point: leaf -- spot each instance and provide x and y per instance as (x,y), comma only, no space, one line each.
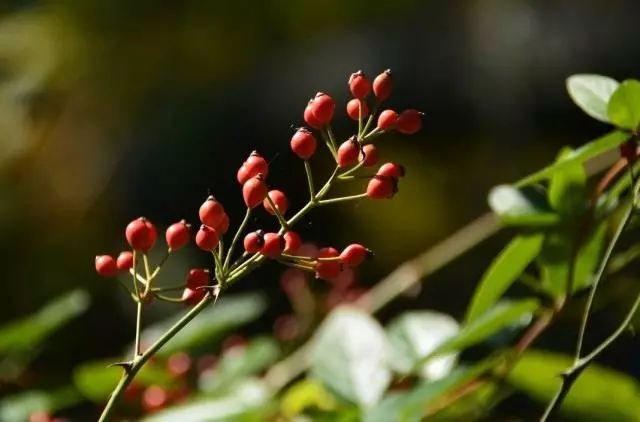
(230,313)
(240,362)
(566,190)
(27,333)
(349,356)
(592,93)
(600,394)
(303,395)
(20,406)
(414,335)
(516,207)
(624,106)
(502,272)
(95,380)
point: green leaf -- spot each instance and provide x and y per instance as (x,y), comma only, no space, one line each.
(567,188)
(230,313)
(600,394)
(95,380)
(516,207)
(19,406)
(413,335)
(592,93)
(27,333)
(303,395)
(240,362)
(624,106)
(504,270)
(349,356)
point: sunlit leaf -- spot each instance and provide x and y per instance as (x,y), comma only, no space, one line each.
(624,106)
(19,406)
(592,93)
(303,395)
(518,207)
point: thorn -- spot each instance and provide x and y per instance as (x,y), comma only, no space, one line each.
(124,365)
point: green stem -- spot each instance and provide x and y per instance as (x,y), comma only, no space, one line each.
(168,288)
(235,239)
(374,110)
(160,264)
(327,142)
(342,199)
(307,169)
(276,210)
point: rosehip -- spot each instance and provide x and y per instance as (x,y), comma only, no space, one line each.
(387,120)
(359,84)
(303,143)
(323,107)
(273,245)
(254,191)
(106,266)
(191,297)
(353,108)
(179,364)
(197,277)
(382,85)
(355,254)
(207,238)
(177,235)
(256,164)
(369,155)
(223,227)
(391,170)
(292,242)
(124,262)
(211,212)
(328,270)
(154,398)
(254,241)
(243,174)
(348,152)
(280,201)
(409,121)
(40,416)
(309,118)
(382,187)
(141,234)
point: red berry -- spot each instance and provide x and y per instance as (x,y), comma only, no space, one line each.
(243,174)
(211,212)
(197,277)
(309,118)
(233,341)
(191,297)
(382,85)
(279,199)
(273,245)
(391,170)
(256,164)
(359,84)
(323,107)
(223,227)
(132,391)
(106,266)
(328,270)
(369,155)
(154,398)
(207,238)
(124,262)
(178,235)
(348,152)
(254,191)
(141,234)
(292,242)
(409,121)
(286,327)
(382,187)
(254,241)
(387,120)
(293,282)
(354,255)
(353,108)
(40,416)
(303,143)
(179,364)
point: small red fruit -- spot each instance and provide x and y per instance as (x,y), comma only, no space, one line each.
(154,398)
(286,327)
(223,227)
(309,118)
(243,174)
(409,121)
(280,201)
(369,155)
(256,164)
(254,241)
(328,270)
(179,364)
(207,238)
(387,120)
(354,255)
(323,107)
(382,85)
(359,84)
(124,262)
(254,191)
(382,187)
(273,245)
(191,297)
(106,266)
(211,212)
(391,170)
(303,143)
(141,234)
(40,416)
(292,242)
(197,277)
(178,235)
(348,152)
(353,108)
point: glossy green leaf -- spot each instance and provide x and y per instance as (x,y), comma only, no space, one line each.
(503,272)
(230,313)
(517,207)
(95,380)
(600,394)
(413,335)
(349,356)
(592,93)
(567,188)
(240,362)
(18,407)
(624,106)
(28,332)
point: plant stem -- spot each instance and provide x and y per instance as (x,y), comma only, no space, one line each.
(235,238)
(276,210)
(160,264)
(307,169)
(342,199)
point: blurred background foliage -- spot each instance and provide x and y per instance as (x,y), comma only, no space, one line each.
(114,109)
